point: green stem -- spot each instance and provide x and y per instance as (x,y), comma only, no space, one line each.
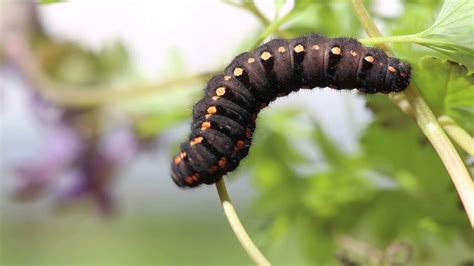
(274,26)
(396,39)
(427,122)
(93,97)
(237,226)
(250,6)
(457,133)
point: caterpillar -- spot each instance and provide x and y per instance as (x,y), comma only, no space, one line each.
(224,119)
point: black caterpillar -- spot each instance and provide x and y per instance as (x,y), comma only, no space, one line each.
(224,119)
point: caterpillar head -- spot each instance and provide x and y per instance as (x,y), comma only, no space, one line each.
(398,74)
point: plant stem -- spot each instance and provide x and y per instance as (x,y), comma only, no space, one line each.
(237,226)
(93,97)
(249,6)
(273,27)
(427,122)
(396,39)
(457,133)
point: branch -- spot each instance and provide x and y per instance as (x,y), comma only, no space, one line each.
(237,226)
(93,97)
(249,6)
(457,133)
(428,124)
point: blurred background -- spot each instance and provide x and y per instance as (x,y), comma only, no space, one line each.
(97,95)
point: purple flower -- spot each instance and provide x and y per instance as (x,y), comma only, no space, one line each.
(57,153)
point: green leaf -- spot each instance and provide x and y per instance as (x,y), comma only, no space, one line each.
(159,112)
(415,186)
(453,32)
(175,65)
(46,2)
(447,89)
(114,59)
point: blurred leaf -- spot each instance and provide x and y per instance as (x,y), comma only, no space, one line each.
(395,150)
(157,113)
(313,17)
(447,89)
(278,5)
(113,58)
(316,239)
(328,193)
(328,148)
(46,2)
(174,64)
(77,67)
(405,156)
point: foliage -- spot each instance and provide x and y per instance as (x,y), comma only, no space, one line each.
(451,33)
(447,88)
(392,193)
(395,188)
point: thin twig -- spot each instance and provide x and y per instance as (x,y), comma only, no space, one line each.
(249,6)
(457,133)
(93,97)
(237,226)
(428,123)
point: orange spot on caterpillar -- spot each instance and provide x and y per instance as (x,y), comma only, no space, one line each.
(212,110)
(205,125)
(196,140)
(392,69)
(238,71)
(220,91)
(227,77)
(281,49)
(299,48)
(222,162)
(189,180)
(251,60)
(265,56)
(248,132)
(213,169)
(315,47)
(180,157)
(369,59)
(240,144)
(336,50)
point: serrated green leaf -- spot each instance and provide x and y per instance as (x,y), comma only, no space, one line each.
(453,32)
(447,89)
